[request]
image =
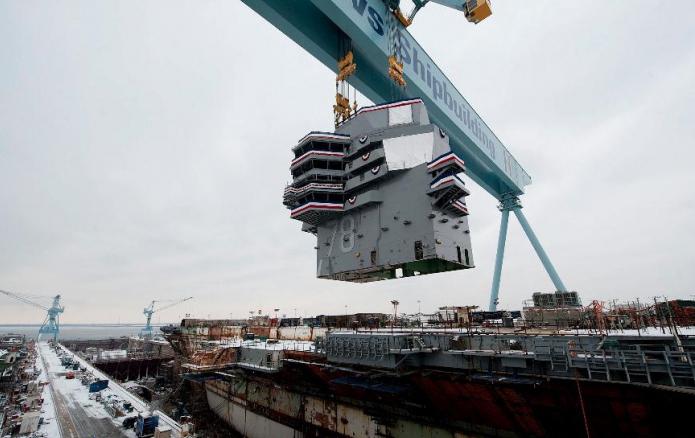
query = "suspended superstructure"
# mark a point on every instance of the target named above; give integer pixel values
(384, 196)
(366, 43)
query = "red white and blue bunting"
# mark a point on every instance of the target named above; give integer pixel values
(316, 206)
(460, 206)
(316, 154)
(445, 160)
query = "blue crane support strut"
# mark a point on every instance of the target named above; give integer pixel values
(547, 264)
(499, 259)
(512, 203)
(318, 26)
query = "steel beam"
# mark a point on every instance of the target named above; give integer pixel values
(547, 264)
(494, 293)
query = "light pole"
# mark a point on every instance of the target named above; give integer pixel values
(395, 312)
(419, 315)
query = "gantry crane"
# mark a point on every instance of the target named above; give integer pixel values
(366, 43)
(51, 324)
(146, 332)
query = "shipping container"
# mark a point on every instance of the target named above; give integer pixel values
(98, 385)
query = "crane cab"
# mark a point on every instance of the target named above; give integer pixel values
(477, 10)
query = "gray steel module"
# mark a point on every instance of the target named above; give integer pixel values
(384, 196)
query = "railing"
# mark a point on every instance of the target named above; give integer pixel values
(671, 368)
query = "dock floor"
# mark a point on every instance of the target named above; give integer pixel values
(77, 416)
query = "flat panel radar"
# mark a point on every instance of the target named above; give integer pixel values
(384, 195)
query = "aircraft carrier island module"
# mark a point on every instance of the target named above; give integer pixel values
(384, 196)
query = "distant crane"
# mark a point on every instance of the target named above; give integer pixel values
(51, 324)
(150, 310)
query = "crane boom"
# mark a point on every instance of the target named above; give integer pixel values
(318, 26)
(51, 324)
(172, 304)
(23, 299)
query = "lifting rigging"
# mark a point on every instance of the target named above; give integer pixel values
(148, 311)
(383, 54)
(51, 323)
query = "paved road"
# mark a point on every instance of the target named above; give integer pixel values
(74, 421)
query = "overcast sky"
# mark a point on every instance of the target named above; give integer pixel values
(144, 148)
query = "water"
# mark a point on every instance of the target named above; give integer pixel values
(79, 331)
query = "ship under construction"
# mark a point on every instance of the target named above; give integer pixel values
(611, 372)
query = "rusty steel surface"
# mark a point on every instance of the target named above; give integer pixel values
(451, 388)
(221, 356)
(338, 402)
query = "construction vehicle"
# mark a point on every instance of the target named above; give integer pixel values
(148, 311)
(51, 323)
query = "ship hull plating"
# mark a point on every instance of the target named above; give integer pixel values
(309, 399)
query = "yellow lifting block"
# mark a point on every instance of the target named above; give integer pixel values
(345, 72)
(345, 60)
(346, 67)
(477, 10)
(342, 101)
(402, 18)
(394, 64)
(396, 71)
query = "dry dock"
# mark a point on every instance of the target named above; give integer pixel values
(78, 414)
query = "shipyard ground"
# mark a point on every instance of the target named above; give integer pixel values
(77, 416)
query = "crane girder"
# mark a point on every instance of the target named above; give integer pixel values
(319, 25)
(23, 299)
(172, 304)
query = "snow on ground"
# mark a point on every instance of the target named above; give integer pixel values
(114, 389)
(646, 331)
(270, 344)
(50, 424)
(279, 345)
(75, 394)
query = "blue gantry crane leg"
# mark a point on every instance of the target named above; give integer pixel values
(494, 293)
(547, 264)
(512, 203)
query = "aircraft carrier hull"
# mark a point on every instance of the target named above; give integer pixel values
(312, 399)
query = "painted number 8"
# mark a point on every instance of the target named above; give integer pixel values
(347, 239)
